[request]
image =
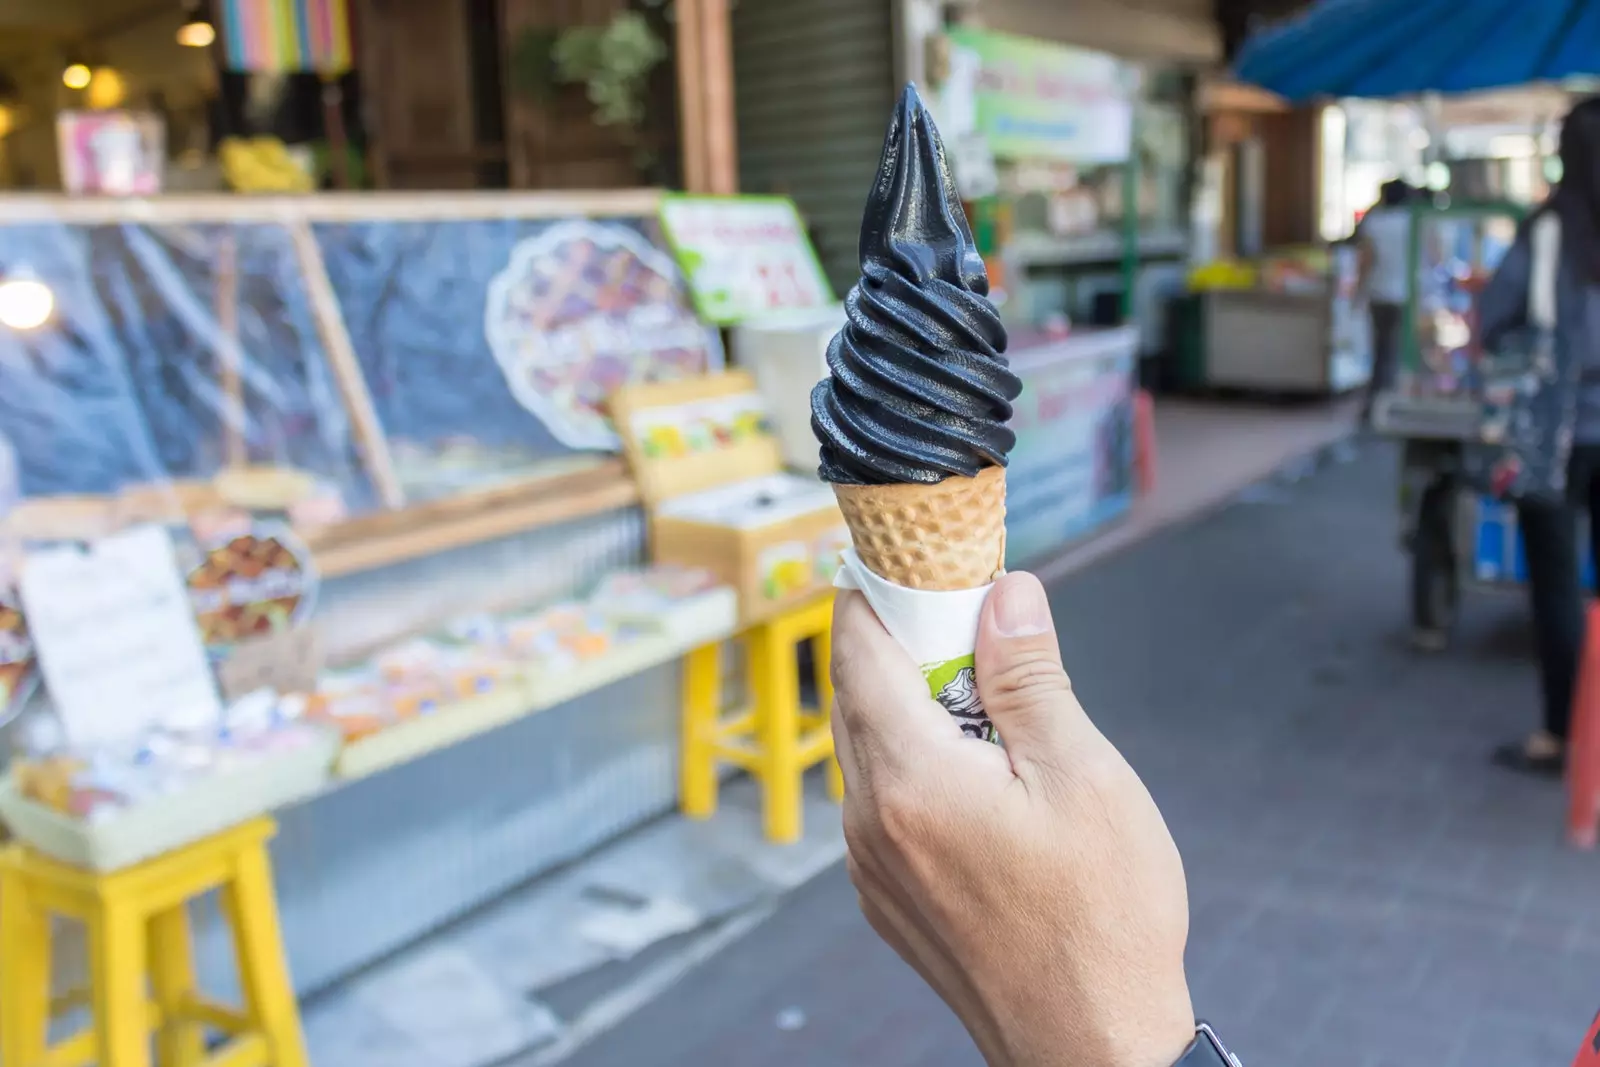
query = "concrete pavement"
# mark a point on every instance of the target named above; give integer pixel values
(1366, 891)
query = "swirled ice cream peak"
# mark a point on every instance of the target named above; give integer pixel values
(919, 387)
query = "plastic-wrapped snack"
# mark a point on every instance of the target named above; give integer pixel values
(567, 633)
(352, 702)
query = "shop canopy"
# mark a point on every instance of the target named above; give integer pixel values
(1384, 48)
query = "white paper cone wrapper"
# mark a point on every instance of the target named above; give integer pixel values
(938, 629)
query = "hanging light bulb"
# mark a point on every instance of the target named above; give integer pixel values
(26, 303)
(197, 30)
(76, 75)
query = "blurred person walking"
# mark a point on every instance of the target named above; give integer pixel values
(1384, 239)
(1550, 528)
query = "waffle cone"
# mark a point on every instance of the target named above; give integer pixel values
(950, 535)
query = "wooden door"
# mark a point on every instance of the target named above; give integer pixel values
(554, 143)
(416, 59)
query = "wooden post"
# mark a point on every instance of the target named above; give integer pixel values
(721, 132)
(232, 355)
(691, 97)
(370, 439)
(705, 97)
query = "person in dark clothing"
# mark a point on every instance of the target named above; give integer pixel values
(1550, 530)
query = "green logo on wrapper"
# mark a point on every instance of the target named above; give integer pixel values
(954, 684)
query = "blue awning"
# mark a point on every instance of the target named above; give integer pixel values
(1382, 48)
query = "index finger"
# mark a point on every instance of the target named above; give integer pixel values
(881, 700)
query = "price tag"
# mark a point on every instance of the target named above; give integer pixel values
(288, 661)
(116, 639)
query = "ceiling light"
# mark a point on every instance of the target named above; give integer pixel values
(197, 30)
(26, 303)
(198, 34)
(76, 75)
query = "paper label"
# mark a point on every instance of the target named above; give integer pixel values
(744, 255)
(938, 629)
(678, 430)
(116, 639)
(287, 662)
(784, 569)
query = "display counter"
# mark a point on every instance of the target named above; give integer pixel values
(399, 400)
(1072, 469)
(1285, 327)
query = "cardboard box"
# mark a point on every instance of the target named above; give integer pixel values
(710, 471)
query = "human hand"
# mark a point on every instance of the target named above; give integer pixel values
(1034, 887)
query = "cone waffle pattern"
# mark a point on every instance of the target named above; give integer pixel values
(951, 535)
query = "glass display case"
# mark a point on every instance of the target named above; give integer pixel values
(1454, 252)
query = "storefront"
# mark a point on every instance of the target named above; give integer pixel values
(1095, 236)
(369, 437)
(372, 429)
(372, 436)
(1043, 136)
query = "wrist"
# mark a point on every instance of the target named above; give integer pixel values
(1156, 1038)
(1156, 1033)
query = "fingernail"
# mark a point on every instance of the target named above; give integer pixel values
(1020, 607)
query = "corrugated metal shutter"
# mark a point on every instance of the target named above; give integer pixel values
(814, 86)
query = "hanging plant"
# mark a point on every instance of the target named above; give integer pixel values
(613, 62)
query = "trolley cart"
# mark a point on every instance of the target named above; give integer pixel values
(1434, 413)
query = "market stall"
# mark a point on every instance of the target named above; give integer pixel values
(1074, 163)
(1290, 322)
(1072, 470)
(366, 441)
(1451, 393)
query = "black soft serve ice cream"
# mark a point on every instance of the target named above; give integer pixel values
(919, 389)
(912, 420)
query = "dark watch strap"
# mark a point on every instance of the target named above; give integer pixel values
(1207, 1051)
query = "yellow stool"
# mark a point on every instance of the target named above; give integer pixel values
(775, 739)
(138, 925)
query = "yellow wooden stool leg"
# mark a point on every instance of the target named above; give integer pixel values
(172, 977)
(24, 972)
(252, 910)
(702, 689)
(822, 653)
(776, 685)
(116, 971)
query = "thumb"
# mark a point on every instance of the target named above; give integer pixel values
(1024, 688)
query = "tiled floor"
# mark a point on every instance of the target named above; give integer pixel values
(1206, 451)
(1366, 890)
(555, 959)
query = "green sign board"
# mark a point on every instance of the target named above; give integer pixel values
(744, 256)
(1035, 100)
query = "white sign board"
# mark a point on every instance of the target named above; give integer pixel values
(744, 256)
(116, 638)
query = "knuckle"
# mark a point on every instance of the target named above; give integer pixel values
(841, 667)
(1034, 674)
(857, 837)
(1101, 771)
(900, 817)
(852, 867)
